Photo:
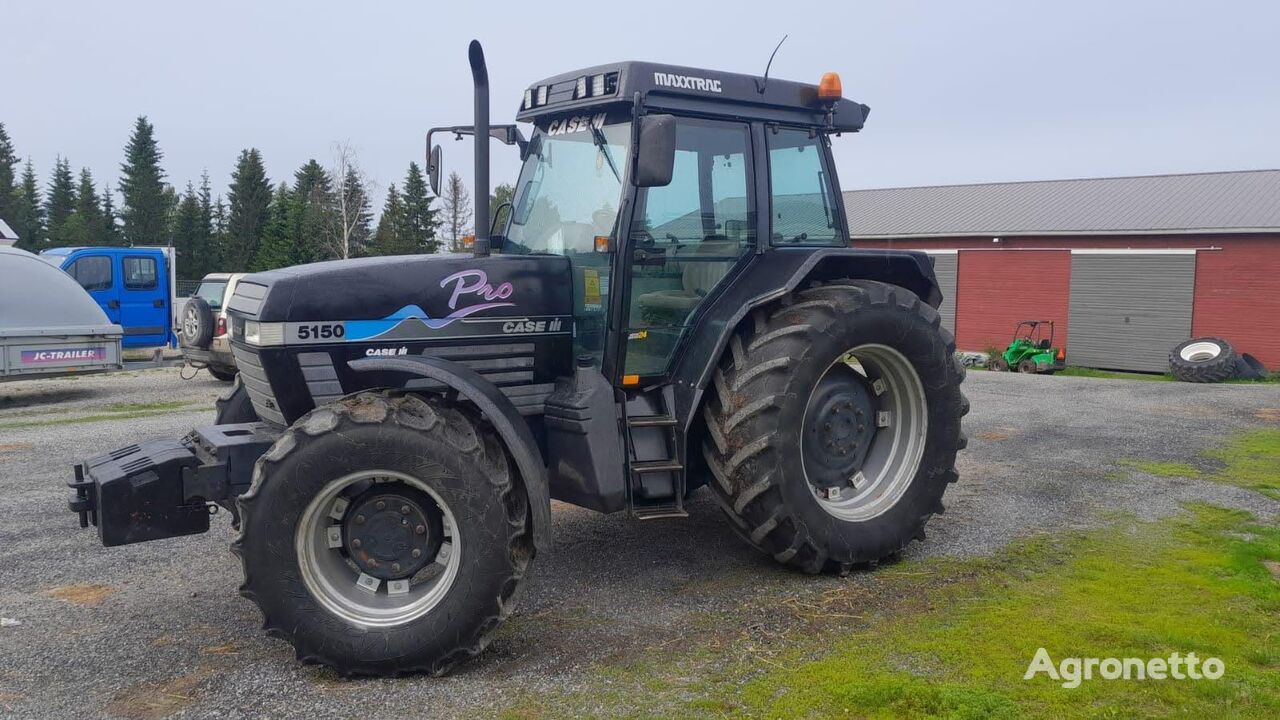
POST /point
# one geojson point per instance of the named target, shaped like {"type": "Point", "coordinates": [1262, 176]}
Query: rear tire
{"type": "Point", "coordinates": [1027, 367]}
{"type": "Point", "coordinates": [1000, 365]}
{"type": "Point", "coordinates": [1203, 360]}
{"type": "Point", "coordinates": [756, 414]}
{"type": "Point", "coordinates": [309, 593]}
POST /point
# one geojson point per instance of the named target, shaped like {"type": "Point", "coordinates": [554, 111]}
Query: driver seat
{"type": "Point", "coordinates": [696, 279]}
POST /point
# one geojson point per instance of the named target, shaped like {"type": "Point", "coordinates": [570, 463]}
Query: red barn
{"type": "Point", "coordinates": [1126, 267]}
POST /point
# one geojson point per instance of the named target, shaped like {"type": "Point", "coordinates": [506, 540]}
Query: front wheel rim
{"type": "Point", "coordinates": [341, 586]}
{"type": "Point", "coordinates": [897, 447]}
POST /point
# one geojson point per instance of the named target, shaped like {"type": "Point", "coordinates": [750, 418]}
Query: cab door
{"type": "Point", "coordinates": [686, 238]}
{"type": "Point", "coordinates": [96, 273]}
{"type": "Point", "coordinates": [144, 300]}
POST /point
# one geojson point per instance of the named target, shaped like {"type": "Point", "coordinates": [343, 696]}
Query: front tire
{"type": "Point", "coordinates": [223, 374]}
{"type": "Point", "coordinates": [865, 352]}
{"type": "Point", "coordinates": [441, 500]}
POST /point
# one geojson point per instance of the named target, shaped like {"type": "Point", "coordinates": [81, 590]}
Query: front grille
{"type": "Point", "coordinates": [256, 384]}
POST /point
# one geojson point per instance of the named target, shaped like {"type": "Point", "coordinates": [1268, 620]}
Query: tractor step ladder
{"type": "Point", "coordinates": [661, 420]}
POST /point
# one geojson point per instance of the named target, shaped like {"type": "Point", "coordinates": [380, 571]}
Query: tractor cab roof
{"type": "Point", "coordinates": [685, 90]}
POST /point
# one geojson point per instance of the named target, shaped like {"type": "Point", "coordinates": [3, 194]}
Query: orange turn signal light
{"type": "Point", "coordinates": [630, 379]}
{"type": "Point", "coordinates": [468, 241]}
{"type": "Point", "coordinates": [602, 243]}
{"type": "Point", "coordinates": [829, 87]}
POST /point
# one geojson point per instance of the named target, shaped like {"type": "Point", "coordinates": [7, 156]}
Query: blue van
{"type": "Point", "coordinates": [134, 286]}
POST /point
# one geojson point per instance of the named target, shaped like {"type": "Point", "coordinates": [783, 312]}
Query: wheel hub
{"type": "Point", "coordinates": [392, 534]}
{"type": "Point", "coordinates": [840, 424]}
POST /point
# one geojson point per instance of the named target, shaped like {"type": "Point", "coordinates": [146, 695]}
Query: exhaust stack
{"type": "Point", "coordinates": [480, 77]}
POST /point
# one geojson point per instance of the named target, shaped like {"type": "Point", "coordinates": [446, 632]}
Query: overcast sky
{"type": "Point", "coordinates": [960, 92]}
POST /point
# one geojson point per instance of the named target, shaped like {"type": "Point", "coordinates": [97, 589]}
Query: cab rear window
{"type": "Point", "coordinates": [211, 291]}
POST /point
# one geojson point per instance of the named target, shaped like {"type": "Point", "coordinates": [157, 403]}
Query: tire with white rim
{"type": "Point", "coordinates": [1203, 360]}
{"type": "Point", "coordinates": [834, 423]}
{"type": "Point", "coordinates": [385, 534]}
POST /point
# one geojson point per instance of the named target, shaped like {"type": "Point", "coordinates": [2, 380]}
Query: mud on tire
{"type": "Point", "coordinates": [755, 414]}
{"type": "Point", "coordinates": [446, 448]}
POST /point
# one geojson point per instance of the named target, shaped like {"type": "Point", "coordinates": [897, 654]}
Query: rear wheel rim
{"type": "Point", "coordinates": [343, 587]}
{"type": "Point", "coordinates": [897, 447]}
{"type": "Point", "coordinates": [1200, 351]}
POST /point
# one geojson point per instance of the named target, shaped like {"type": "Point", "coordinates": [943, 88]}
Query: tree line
{"type": "Point", "coordinates": [323, 213]}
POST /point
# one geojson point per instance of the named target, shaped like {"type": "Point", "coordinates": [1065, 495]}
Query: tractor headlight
{"type": "Point", "coordinates": [260, 333]}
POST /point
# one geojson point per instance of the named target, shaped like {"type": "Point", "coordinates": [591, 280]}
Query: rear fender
{"type": "Point", "coordinates": [407, 371]}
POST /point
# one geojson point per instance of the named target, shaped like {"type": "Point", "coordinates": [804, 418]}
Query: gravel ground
{"type": "Point", "coordinates": [157, 629]}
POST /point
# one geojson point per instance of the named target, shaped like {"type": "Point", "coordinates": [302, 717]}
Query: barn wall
{"type": "Point", "coordinates": [995, 290]}
{"type": "Point", "coordinates": [1237, 281]}
{"type": "Point", "coordinates": [1237, 297]}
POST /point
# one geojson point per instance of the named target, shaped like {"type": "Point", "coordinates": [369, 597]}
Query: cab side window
{"type": "Point", "coordinates": [803, 206]}
{"type": "Point", "coordinates": [93, 272]}
{"type": "Point", "coordinates": [140, 273]}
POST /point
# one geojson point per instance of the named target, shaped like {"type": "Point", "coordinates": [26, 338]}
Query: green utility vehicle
{"type": "Point", "coordinates": [1031, 351]}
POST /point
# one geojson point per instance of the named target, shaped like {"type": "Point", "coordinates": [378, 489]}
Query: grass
{"type": "Point", "coordinates": [1113, 375]}
{"type": "Point", "coordinates": [952, 638]}
{"type": "Point", "coordinates": [1164, 469]}
{"type": "Point", "coordinates": [117, 411]}
{"type": "Point", "coordinates": [959, 635]}
{"type": "Point", "coordinates": [1250, 460]}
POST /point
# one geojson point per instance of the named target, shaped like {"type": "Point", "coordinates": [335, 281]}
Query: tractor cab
{"type": "Point", "coordinates": [655, 182]}
{"type": "Point", "coordinates": [1031, 350]}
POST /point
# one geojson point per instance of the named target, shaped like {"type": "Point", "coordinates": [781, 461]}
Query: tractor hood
{"type": "Point", "coordinates": [410, 297]}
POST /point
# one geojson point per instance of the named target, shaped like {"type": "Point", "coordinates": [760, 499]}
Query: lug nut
{"type": "Point", "coordinates": [381, 505]}
{"type": "Point", "coordinates": [404, 509]}
{"type": "Point", "coordinates": [404, 521]}
{"type": "Point", "coordinates": [420, 529]}
{"type": "Point", "coordinates": [373, 563]}
{"type": "Point", "coordinates": [359, 519]}
{"type": "Point", "coordinates": [356, 543]}
{"type": "Point", "coordinates": [416, 553]}
{"type": "Point", "coordinates": [395, 567]}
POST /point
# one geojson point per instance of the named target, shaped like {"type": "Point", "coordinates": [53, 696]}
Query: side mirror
{"type": "Point", "coordinates": [433, 170]}
{"type": "Point", "coordinates": [655, 151]}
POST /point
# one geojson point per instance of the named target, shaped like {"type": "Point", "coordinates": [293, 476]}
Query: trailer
{"type": "Point", "coordinates": [49, 325]}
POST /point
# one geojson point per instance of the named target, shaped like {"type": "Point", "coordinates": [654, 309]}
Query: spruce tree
{"type": "Point", "coordinates": [419, 218]}
{"type": "Point", "coordinates": [110, 230]}
{"type": "Point", "coordinates": [60, 204]}
{"type": "Point", "coordinates": [249, 200]}
{"type": "Point", "coordinates": [146, 207]}
{"type": "Point", "coordinates": [28, 215]}
{"type": "Point", "coordinates": [390, 238]}
{"type": "Point", "coordinates": [313, 204]}
{"type": "Point", "coordinates": [8, 190]}
{"type": "Point", "coordinates": [189, 237]}
{"type": "Point", "coordinates": [87, 218]}
{"type": "Point", "coordinates": [277, 248]}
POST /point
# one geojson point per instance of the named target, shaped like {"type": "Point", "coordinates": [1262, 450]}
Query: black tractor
{"type": "Point", "coordinates": [670, 301]}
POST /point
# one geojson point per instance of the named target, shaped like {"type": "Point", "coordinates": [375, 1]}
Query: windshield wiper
{"type": "Point", "coordinates": [598, 138]}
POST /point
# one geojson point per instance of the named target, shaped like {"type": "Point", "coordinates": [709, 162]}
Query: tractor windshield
{"type": "Point", "coordinates": [569, 188]}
